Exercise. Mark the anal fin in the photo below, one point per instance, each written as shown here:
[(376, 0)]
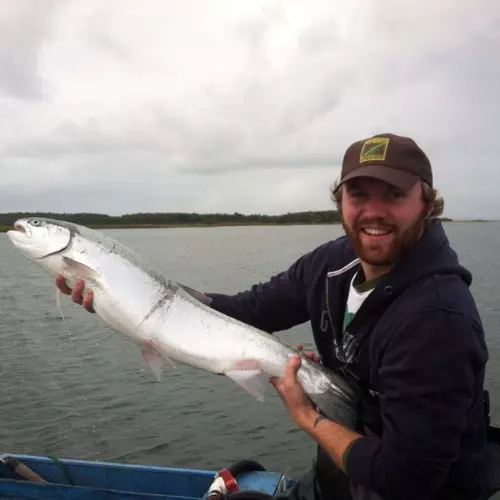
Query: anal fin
[(254, 381)]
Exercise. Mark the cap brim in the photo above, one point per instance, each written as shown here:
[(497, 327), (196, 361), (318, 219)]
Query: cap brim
[(402, 180)]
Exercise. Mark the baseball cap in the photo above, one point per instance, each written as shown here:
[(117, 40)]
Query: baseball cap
[(392, 158)]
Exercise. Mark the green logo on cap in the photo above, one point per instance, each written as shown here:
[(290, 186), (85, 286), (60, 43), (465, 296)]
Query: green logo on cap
[(374, 149)]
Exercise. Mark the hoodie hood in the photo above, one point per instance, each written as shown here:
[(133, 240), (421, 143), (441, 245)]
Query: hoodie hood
[(431, 255)]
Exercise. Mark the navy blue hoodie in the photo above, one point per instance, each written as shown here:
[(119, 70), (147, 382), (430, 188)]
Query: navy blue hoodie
[(418, 348)]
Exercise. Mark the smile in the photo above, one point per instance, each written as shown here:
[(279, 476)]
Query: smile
[(375, 232)]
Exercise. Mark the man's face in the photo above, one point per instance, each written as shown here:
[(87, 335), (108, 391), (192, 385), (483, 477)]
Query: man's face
[(381, 221)]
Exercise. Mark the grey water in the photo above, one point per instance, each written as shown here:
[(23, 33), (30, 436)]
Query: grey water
[(89, 394)]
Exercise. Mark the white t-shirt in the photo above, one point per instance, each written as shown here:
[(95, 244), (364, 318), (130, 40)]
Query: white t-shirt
[(357, 295)]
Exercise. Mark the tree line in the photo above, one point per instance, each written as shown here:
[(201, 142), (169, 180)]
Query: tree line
[(177, 218)]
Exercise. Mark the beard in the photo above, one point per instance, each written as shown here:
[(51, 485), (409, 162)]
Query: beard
[(381, 253)]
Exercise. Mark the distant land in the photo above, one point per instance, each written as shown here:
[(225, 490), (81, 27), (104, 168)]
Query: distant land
[(177, 219)]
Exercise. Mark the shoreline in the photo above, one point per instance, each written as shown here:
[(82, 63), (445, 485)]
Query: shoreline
[(4, 228)]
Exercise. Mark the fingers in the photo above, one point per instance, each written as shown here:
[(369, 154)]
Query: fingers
[(88, 301), (61, 285), (76, 293), (313, 356), (309, 354), (290, 373), (85, 301)]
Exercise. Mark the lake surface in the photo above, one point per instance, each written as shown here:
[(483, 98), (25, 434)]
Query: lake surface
[(89, 393)]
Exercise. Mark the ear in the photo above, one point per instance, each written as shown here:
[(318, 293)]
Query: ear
[(430, 208), (429, 198)]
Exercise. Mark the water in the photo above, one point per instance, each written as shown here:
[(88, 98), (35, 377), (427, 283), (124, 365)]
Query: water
[(90, 395)]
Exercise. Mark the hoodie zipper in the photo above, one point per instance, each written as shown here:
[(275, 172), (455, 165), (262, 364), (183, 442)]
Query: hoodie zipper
[(329, 275), (336, 336)]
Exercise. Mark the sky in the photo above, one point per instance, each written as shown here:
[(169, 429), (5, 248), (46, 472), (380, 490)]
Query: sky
[(237, 106)]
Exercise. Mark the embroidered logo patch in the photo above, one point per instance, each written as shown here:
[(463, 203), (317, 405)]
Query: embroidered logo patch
[(374, 149)]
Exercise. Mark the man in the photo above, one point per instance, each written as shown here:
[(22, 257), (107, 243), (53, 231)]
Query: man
[(390, 309)]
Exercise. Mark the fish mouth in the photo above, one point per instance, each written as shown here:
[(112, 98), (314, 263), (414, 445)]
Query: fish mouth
[(20, 231), (38, 243), (21, 228)]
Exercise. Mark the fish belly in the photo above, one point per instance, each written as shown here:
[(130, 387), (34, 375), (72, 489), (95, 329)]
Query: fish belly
[(193, 335)]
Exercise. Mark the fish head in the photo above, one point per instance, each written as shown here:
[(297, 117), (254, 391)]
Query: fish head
[(38, 238)]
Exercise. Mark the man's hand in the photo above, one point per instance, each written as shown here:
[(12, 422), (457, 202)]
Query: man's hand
[(76, 293), (331, 436), (309, 354), (301, 408)]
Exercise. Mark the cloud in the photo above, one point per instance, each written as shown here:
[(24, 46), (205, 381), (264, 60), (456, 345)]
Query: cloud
[(240, 106), (23, 28)]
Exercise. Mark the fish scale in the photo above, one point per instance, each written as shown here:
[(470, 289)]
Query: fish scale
[(170, 322)]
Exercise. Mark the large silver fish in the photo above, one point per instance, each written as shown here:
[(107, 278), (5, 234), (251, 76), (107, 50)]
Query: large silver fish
[(170, 322)]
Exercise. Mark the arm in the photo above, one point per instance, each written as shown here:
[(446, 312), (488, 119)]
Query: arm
[(275, 305), (335, 439), (428, 377)]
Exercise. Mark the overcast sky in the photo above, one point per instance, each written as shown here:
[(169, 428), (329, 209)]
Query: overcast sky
[(232, 105)]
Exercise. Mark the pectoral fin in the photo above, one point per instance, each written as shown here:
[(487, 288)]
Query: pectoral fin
[(59, 308), (154, 359), (155, 362), (78, 270)]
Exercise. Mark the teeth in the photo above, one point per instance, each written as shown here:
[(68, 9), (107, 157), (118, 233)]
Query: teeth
[(376, 231)]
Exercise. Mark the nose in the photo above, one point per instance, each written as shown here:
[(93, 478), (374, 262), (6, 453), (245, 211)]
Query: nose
[(375, 207)]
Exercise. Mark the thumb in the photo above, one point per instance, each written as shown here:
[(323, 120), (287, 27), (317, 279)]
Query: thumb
[(292, 367)]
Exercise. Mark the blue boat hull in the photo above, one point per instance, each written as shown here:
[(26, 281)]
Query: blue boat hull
[(72, 479)]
